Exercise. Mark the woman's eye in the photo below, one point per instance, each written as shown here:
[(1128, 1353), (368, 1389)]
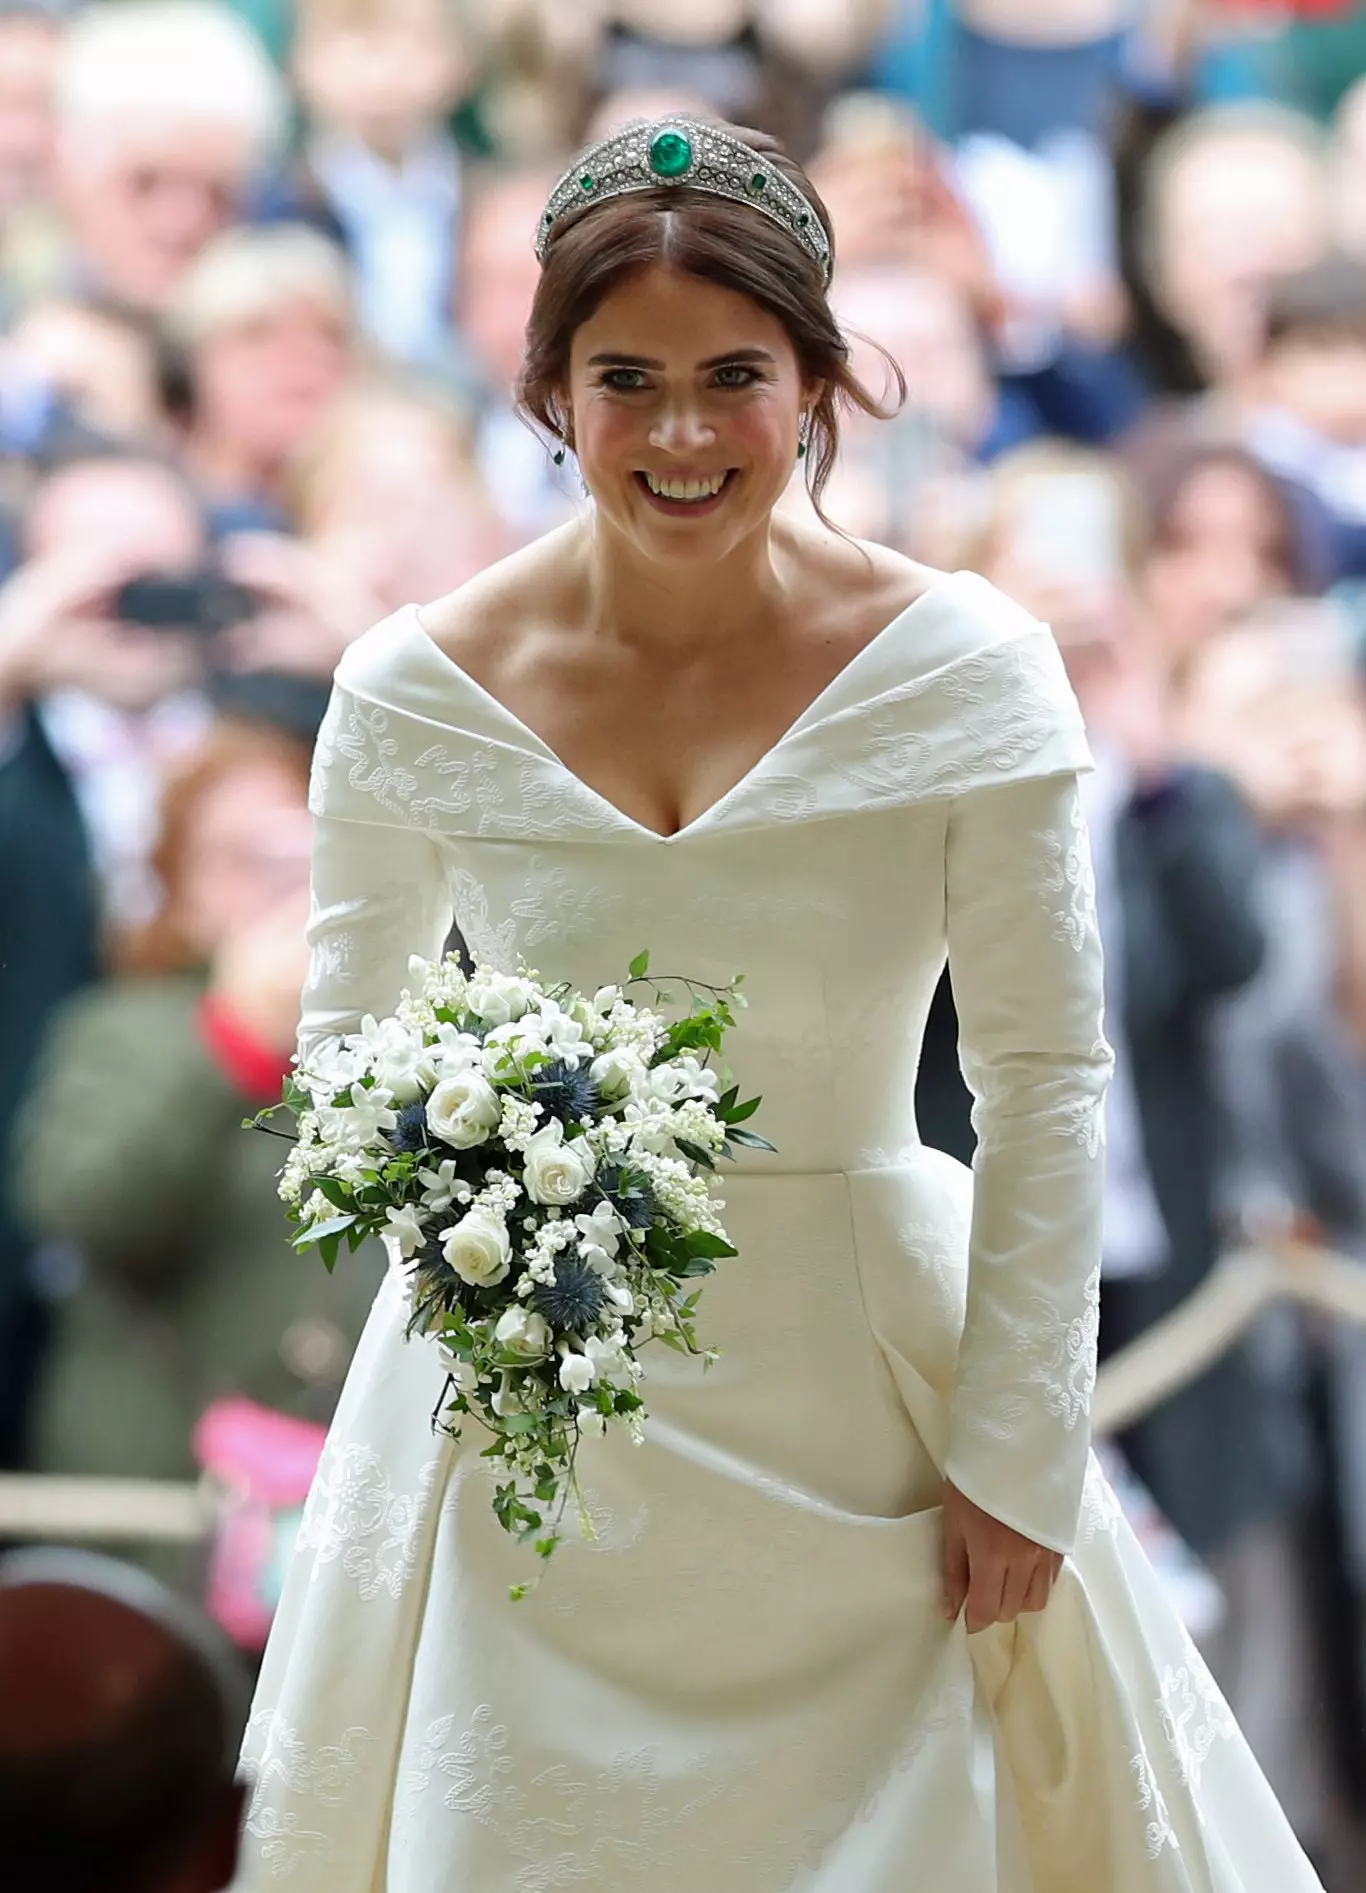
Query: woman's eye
[(736, 375), (624, 380)]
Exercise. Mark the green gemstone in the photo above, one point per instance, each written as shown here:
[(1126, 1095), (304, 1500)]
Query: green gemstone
[(586, 183), (670, 154), (803, 219), (758, 182)]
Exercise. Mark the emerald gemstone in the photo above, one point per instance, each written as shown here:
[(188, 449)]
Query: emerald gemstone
[(585, 182), (803, 219), (758, 182), (670, 154)]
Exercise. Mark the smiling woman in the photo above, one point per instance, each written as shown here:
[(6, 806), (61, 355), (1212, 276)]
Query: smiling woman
[(595, 247)]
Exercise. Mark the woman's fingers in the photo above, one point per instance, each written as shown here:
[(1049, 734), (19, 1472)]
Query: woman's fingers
[(986, 1588), (956, 1571)]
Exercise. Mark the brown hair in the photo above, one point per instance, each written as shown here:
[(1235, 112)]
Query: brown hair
[(709, 237), (162, 945)]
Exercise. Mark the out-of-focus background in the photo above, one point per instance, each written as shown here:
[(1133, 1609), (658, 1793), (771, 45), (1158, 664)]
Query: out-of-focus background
[(263, 274)]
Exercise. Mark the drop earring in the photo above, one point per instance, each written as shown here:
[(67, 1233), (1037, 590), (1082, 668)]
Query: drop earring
[(802, 436), (559, 456)]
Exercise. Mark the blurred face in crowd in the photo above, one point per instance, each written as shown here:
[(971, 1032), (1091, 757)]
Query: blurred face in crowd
[(1236, 211), (28, 58), (263, 384), (142, 200), (1220, 551), (1321, 380), (127, 517), (102, 367), (386, 72), (245, 851), (678, 381), (924, 323), (397, 501), (499, 272), (1350, 170)]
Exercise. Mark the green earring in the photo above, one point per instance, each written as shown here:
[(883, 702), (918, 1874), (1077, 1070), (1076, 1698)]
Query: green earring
[(801, 436), (559, 456)]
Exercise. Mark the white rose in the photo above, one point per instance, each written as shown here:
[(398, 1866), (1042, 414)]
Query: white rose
[(522, 1331), (497, 998), (618, 1071), (478, 1248), (556, 1173), (577, 1373), (464, 1110)]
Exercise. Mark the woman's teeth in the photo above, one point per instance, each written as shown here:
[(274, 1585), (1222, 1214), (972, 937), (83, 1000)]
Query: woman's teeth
[(686, 489)]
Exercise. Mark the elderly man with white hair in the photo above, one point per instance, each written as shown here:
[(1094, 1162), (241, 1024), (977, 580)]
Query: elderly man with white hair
[(166, 112)]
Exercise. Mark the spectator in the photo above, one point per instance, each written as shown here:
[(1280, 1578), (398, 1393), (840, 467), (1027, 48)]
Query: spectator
[(30, 39), (120, 1712), (378, 80), (71, 360), (1219, 536), (189, 1292), (1304, 408), (389, 491), (89, 709), (263, 322), (498, 276), (166, 109), (1234, 196)]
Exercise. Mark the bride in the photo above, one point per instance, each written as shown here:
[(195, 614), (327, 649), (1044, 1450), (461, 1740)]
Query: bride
[(861, 1615)]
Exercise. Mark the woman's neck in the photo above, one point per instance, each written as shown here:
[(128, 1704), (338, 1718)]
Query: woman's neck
[(631, 599)]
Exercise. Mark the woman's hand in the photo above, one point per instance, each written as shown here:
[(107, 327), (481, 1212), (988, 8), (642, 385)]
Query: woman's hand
[(993, 1570)]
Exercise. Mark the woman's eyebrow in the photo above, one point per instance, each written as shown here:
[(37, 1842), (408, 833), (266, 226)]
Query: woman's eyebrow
[(615, 360)]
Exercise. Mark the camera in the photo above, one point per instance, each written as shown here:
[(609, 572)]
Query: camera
[(203, 602)]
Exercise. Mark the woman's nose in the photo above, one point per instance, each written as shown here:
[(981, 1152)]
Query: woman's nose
[(680, 428)]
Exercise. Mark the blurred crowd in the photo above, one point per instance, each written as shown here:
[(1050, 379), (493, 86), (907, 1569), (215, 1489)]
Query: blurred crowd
[(264, 269)]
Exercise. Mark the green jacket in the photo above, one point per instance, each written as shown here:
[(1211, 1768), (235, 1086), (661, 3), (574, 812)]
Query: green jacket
[(131, 1149)]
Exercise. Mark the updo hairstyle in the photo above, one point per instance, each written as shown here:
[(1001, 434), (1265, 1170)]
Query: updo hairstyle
[(698, 234)]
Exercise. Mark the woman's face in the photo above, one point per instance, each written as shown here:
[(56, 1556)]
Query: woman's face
[(264, 385), (1219, 555), (686, 401), (246, 852)]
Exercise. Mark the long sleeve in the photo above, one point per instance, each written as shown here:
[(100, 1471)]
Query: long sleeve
[(1024, 953), (379, 895)]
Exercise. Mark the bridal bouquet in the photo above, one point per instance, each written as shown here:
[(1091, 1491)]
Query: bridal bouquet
[(538, 1160)]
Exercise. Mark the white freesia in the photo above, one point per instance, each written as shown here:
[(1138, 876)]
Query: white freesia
[(441, 1187), (360, 1124), (600, 1228), (395, 1054), (605, 998), (478, 1248), (617, 1071), (607, 1358), (497, 998), (464, 1110), (556, 1173), (406, 1228), (508, 1047), (577, 1373), (332, 1065), (522, 1331), (563, 1035), (452, 1051)]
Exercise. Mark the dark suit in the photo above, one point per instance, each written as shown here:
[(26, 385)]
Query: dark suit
[(49, 928)]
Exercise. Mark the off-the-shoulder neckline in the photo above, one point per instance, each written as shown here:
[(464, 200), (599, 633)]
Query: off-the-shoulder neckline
[(933, 593)]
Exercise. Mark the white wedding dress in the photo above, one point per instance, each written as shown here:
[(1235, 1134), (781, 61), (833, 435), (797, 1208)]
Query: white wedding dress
[(746, 1685)]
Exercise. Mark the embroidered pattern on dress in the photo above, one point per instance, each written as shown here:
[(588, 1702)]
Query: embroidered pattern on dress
[(493, 942), (1068, 882), (1101, 1512), (1194, 1717), (279, 1759), (1158, 1832), (354, 1515), (557, 905)]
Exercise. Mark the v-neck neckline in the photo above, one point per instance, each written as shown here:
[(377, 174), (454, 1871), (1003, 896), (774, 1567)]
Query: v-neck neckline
[(802, 722)]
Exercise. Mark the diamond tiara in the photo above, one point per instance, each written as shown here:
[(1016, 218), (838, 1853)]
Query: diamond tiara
[(643, 156)]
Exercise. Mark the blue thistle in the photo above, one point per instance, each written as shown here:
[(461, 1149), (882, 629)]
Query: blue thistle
[(629, 1193), (566, 1091), (410, 1133), (574, 1300)]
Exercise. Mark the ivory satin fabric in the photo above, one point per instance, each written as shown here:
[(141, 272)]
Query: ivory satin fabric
[(746, 1685)]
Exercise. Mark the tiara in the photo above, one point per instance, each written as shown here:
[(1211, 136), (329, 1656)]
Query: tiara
[(643, 156)]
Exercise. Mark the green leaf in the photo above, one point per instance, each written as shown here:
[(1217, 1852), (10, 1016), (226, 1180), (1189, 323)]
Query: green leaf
[(750, 1139), (640, 965), (338, 1194), (691, 1265), (695, 1153), (741, 1111), (703, 1242), (335, 1226)]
